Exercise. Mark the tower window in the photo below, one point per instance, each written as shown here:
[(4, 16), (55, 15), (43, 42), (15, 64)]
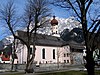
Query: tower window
[(43, 53), (56, 32)]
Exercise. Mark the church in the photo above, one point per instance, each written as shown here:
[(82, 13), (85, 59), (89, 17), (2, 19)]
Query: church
[(49, 48)]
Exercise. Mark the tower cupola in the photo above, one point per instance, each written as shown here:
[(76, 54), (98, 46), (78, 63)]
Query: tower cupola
[(54, 21), (54, 27)]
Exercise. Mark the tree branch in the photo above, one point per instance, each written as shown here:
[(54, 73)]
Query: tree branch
[(92, 25), (95, 28), (73, 8), (88, 5)]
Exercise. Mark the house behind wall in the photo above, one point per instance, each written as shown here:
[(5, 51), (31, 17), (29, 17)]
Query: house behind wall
[(77, 54)]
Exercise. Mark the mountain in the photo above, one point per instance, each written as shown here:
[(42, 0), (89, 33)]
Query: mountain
[(63, 23), (6, 41), (64, 27), (75, 35)]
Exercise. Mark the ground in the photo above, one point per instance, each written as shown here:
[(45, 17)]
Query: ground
[(52, 73)]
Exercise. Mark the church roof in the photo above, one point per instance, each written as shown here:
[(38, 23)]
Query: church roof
[(75, 45), (43, 40)]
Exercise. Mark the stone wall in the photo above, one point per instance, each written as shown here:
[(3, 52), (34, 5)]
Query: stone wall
[(5, 66), (54, 65), (77, 58), (8, 66)]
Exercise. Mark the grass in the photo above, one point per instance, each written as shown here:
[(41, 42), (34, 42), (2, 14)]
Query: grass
[(70, 73), (66, 73), (59, 73), (14, 74)]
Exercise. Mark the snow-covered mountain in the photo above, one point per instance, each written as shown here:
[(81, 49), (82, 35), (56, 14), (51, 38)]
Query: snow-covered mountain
[(63, 24), (68, 23), (6, 41)]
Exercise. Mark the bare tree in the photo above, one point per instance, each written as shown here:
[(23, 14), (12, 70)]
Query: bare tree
[(59, 54), (88, 13), (10, 21), (36, 12), (35, 17)]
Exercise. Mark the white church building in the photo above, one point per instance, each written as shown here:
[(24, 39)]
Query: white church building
[(49, 48)]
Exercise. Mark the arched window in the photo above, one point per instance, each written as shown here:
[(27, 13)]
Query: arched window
[(43, 53), (53, 53)]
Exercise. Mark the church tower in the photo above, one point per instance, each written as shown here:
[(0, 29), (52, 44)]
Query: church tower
[(54, 27)]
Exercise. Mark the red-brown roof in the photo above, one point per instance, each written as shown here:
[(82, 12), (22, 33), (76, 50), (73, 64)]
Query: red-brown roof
[(4, 58), (54, 21)]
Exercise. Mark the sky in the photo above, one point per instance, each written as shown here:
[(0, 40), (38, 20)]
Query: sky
[(20, 5)]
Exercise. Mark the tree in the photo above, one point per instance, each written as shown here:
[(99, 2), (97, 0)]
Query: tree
[(36, 12), (88, 13), (10, 20), (59, 54), (35, 17)]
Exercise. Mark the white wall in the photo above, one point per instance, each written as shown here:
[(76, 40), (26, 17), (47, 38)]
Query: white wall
[(48, 54), (64, 51), (59, 51), (22, 54)]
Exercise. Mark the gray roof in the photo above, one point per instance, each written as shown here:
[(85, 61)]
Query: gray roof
[(1, 45), (75, 45), (43, 40)]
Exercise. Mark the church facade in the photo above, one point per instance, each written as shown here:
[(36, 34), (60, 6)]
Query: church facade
[(49, 48)]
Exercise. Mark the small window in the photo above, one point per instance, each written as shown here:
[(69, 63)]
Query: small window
[(46, 62), (64, 61), (64, 55), (67, 54), (67, 61)]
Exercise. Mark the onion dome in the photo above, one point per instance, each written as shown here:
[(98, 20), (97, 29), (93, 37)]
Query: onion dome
[(54, 21)]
